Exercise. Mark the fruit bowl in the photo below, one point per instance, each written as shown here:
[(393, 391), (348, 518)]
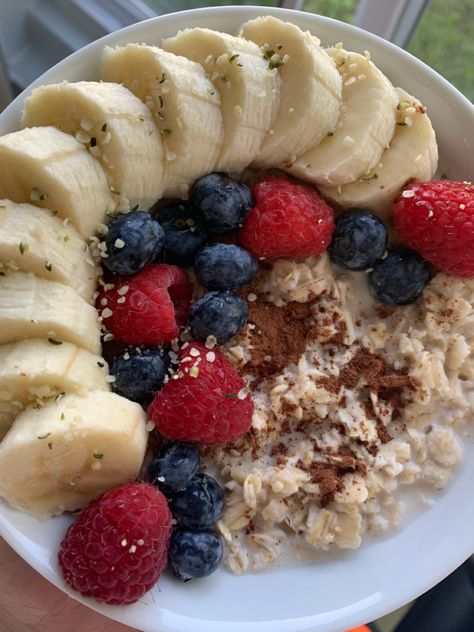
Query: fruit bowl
[(334, 591)]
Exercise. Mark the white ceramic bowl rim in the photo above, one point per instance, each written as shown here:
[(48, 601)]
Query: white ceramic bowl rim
[(343, 590)]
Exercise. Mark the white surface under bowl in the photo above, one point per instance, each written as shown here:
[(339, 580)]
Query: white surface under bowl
[(347, 588)]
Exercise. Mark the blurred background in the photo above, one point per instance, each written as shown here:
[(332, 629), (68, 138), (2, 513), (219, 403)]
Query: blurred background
[(36, 34)]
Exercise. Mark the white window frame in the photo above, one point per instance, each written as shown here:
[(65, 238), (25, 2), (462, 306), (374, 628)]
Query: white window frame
[(394, 20)]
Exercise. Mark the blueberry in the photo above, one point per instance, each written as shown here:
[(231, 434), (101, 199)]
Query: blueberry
[(140, 372), (194, 554), (133, 240), (359, 240), (400, 278), (183, 237), (224, 267), (173, 467), (199, 505), (219, 314), (221, 204)]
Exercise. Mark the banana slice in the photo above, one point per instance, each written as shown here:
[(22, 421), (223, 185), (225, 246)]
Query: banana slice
[(51, 169), (310, 92), (34, 308), (249, 92), (185, 105), (412, 156), (366, 125), (117, 129), (34, 240), (33, 370), (64, 455)]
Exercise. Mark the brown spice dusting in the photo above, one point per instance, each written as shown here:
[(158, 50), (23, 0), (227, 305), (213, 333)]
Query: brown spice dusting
[(338, 338), (288, 408), (381, 378), (329, 475), (446, 313), (364, 365), (383, 311), (382, 432), (254, 442), (280, 333), (328, 479), (279, 448)]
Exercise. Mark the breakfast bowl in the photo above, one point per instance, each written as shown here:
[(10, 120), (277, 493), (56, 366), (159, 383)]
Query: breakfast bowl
[(332, 590)]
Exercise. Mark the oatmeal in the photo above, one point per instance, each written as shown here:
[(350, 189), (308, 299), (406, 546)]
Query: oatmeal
[(352, 402)]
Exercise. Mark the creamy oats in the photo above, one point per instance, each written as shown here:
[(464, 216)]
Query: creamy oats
[(359, 409)]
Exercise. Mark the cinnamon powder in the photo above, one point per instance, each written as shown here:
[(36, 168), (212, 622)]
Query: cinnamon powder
[(279, 335)]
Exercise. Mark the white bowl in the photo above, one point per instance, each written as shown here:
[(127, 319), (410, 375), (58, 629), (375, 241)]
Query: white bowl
[(342, 589)]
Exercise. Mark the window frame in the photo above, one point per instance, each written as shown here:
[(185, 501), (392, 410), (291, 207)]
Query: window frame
[(68, 25)]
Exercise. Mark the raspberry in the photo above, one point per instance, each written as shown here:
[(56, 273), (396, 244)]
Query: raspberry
[(205, 402), (438, 221), (148, 307), (288, 220), (116, 549)]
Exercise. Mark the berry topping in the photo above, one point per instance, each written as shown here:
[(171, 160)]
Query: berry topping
[(359, 240), (116, 549), (206, 402), (221, 204), (200, 504), (173, 467), (400, 278), (148, 307), (436, 219), (219, 314), (225, 267), (194, 554), (183, 237), (132, 242), (288, 220), (140, 372)]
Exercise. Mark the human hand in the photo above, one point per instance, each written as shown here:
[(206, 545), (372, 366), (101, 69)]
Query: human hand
[(29, 603)]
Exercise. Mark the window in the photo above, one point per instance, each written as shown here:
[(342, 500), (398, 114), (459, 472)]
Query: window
[(440, 32), (169, 6), (444, 39), (343, 10)]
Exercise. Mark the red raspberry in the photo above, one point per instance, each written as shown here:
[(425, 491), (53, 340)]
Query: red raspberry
[(288, 220), (438, 222), (116, 549), (204, 402), (156, 302)]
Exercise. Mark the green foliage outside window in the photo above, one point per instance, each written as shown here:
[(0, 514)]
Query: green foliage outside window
[(444, 40), (343, 10)]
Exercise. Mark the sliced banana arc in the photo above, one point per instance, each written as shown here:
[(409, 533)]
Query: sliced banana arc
[(34, 370), (412, 156), (64, 455), (364, 130), (51, 169), (31, 307), (35, 240), (183, 102), (117, 129), (310, 91), (249, 91)]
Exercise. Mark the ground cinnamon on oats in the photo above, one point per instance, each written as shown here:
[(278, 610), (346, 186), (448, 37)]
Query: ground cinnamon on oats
[(277, 336)]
